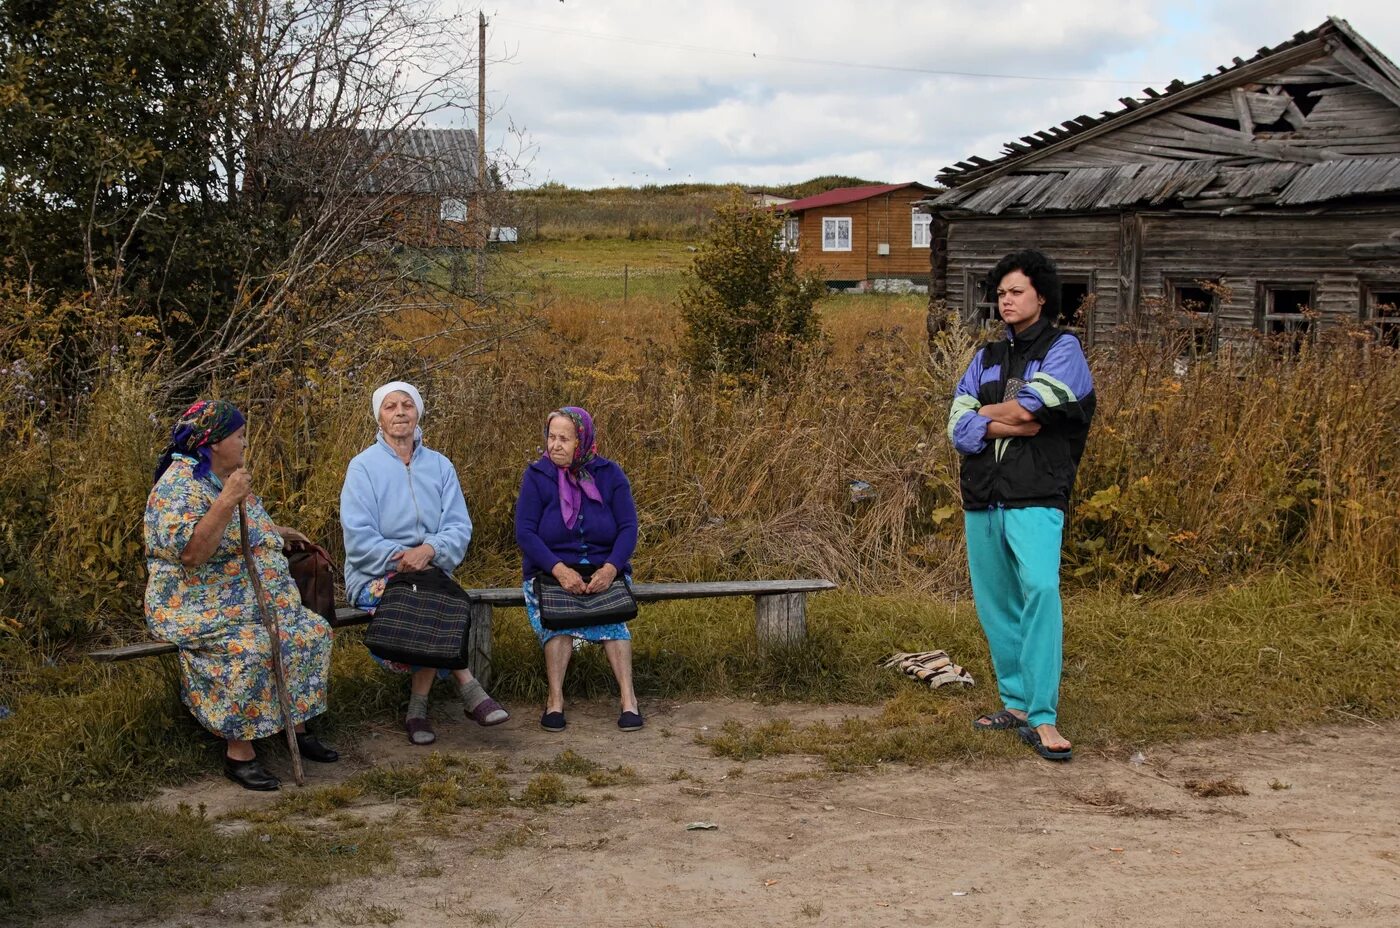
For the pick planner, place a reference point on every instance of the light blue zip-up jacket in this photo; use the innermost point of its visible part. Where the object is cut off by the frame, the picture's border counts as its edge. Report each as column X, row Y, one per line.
column 387, row 506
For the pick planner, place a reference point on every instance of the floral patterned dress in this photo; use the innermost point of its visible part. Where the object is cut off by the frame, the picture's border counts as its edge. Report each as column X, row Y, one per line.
column 210, row 612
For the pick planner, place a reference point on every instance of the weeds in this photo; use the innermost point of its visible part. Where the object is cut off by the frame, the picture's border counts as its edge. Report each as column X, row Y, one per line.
column 547, row 789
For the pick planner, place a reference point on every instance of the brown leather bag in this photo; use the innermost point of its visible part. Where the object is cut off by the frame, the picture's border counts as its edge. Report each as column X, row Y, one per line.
column 311, row 570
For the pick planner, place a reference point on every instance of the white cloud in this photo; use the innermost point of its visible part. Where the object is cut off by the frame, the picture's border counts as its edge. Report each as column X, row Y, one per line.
column 690, row 101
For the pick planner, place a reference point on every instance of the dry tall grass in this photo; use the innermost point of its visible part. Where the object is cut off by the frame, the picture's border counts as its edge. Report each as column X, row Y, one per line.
column 1190, row 478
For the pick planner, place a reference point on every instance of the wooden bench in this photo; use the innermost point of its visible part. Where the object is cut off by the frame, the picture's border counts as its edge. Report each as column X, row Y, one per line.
column 780, row 614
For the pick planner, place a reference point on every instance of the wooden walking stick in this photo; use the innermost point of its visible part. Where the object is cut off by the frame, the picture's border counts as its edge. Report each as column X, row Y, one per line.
column 269, row 620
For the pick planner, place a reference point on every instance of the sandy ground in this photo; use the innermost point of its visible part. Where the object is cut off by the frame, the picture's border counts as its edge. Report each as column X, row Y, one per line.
column 1100, row 841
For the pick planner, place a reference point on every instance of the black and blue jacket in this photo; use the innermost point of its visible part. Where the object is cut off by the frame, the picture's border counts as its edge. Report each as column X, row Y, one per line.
column 1050, row 377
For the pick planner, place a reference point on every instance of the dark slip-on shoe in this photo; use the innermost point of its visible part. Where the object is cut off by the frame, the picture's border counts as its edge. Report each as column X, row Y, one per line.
column 250, row 774
column 312, row 748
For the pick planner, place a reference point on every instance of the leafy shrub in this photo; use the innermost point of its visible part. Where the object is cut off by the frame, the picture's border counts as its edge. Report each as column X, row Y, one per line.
column 747, row 309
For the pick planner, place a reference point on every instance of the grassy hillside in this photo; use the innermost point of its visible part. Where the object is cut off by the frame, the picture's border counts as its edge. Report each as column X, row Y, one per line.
column 671, row 212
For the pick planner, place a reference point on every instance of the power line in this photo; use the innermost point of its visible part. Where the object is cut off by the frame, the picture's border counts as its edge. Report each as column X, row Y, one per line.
column 823, row 62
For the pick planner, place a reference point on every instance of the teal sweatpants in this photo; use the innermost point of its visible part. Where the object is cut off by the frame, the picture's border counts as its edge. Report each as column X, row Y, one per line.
column 1013, row 556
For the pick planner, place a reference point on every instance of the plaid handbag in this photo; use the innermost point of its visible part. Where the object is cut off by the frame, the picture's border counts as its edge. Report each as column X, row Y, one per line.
column 423, row 620
column 561, row 610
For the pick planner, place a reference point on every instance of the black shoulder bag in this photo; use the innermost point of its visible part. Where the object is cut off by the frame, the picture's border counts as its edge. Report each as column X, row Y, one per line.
column 422, row 619
column 561, row 610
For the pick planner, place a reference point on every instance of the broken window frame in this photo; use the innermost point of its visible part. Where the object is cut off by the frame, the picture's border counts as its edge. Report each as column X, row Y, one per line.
column 977, row 309
column 1084, row 327
column 1385, row 325
column 1300, row 325
column 835, row 224
column 1195, row 321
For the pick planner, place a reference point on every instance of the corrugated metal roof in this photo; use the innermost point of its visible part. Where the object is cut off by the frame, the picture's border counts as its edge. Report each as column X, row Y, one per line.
column 845, row 195
column 419, row 161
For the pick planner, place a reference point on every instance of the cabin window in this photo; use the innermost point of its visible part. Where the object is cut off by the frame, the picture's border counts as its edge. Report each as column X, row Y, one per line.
column 921, row 237
column 1382, row 311
column 453, row 209
column 1076, row 303
column 981, row 303
column 836, row 233
column 1286, row 313
column 1194, row 305
column 792, row 230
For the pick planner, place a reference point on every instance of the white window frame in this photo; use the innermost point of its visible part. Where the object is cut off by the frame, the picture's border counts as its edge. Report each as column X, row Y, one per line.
column 792, row 233
column 835, row 224
column 922, row 228
column 452, row 209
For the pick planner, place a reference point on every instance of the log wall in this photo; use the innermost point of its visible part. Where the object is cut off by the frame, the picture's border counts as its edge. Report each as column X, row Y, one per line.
column 1149, row 250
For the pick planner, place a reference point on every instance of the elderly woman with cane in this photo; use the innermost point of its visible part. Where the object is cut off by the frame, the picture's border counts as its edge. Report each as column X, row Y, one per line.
column 203, row 527
column 402, row 511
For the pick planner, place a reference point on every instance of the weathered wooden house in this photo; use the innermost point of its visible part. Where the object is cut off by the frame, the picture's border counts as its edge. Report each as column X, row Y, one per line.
column 865, row 237
column 424, row 182
column 416, row 187
column 1264, row 198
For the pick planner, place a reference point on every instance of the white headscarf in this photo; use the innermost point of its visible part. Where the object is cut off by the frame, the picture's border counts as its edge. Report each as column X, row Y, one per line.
column 390, row 387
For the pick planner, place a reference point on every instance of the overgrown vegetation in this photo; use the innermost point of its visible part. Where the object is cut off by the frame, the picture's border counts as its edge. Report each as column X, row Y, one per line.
column 748, row 311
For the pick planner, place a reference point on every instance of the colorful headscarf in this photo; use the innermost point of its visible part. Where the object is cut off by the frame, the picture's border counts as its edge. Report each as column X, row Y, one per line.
column 574, row 481
column 205, row 423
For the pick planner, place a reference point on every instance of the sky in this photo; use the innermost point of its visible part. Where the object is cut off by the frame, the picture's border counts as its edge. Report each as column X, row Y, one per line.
column 769, row 92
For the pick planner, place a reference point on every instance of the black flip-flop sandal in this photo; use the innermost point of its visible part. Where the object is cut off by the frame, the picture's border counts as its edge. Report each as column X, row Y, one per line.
column 1032, row 737
column 998, row 721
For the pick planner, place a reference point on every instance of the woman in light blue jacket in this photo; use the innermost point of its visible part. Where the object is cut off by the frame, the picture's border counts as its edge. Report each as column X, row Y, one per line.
column 402, row 510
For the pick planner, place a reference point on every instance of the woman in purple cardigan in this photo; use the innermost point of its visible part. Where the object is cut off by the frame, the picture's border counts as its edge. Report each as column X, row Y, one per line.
column 575, row 511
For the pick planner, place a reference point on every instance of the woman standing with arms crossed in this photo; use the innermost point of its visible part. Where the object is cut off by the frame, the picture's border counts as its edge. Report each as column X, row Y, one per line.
column 1019, row 418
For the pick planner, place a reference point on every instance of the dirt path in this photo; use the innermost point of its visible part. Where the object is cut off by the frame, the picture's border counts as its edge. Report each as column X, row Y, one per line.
column 1096, row 842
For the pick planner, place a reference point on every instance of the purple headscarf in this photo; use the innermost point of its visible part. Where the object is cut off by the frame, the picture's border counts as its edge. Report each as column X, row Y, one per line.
column 574, row 481
column 206, row 423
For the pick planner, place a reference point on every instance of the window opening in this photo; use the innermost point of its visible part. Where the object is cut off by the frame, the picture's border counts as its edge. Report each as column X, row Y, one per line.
column 792, row 230
column 453, row 209
column 1194, row 306
column 922, row 235
column 1385, row 317
column 1288, row 315
column 836, row 234
column 1074, row 304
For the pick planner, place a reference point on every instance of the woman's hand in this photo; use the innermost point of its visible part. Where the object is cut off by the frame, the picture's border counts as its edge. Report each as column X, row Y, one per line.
column 237, row 488
column 569, row 579
column 602, row 579
column 414, row 559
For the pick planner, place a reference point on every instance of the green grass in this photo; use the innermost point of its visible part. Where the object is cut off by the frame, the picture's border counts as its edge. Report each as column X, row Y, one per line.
column 1275, row 652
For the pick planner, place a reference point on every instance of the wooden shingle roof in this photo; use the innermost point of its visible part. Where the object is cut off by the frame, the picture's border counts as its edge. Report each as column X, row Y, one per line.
column 1312, row 119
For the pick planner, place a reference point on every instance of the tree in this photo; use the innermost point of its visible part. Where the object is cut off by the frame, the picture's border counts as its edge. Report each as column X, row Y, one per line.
column 746, row 307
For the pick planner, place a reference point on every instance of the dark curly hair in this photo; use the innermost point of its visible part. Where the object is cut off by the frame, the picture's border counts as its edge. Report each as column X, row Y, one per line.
column 1036, row 265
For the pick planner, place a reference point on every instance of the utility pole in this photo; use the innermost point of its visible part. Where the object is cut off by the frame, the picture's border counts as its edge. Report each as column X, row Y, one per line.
column 483, row 224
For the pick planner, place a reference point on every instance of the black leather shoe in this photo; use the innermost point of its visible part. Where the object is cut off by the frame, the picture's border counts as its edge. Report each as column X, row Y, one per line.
column 312, row 749
column 250, row 774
